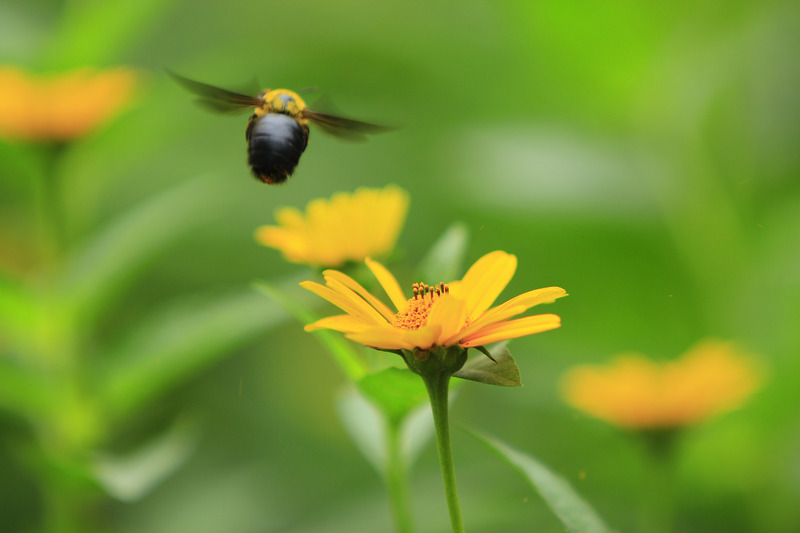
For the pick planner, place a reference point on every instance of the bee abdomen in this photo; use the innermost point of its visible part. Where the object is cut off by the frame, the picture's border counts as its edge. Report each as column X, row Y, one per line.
column 276, row 142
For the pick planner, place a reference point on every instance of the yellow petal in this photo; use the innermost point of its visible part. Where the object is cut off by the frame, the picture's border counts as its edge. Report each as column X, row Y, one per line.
column 485, row 280
column 389, row 338
column 515, row 306
column 343, row 323
column 449, row 314
column 353, row 285
column 628, row 392
column 353, row 306
column 512, row 329
column 385, row 338
column 389, row 284
column 425, row 337
column 291, row 218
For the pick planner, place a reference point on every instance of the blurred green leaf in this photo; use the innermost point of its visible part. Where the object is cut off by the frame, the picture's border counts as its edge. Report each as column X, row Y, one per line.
column 112, row 258
column 20, row 391
column 94, row 32
column 294, row 301
column 365, row 424
column 503, row 371
column 369, row 428
column 178, row 341
column 132, row 476
column 18, row 313
column 395, row 391
column 576, row 515
column 444, row 261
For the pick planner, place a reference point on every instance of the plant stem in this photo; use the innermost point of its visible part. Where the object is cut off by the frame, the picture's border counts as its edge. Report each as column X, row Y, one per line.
column 437, row 385
column 657, row 498
column 396, row 480
column 50, row 205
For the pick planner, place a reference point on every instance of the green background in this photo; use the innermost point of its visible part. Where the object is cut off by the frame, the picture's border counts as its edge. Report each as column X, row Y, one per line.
column 644, row 156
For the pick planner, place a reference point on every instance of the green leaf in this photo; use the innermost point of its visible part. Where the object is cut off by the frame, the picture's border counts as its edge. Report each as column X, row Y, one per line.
column 132, row 476
column 366, row 425
column 297, row 302
column 18, row 312
column 395, row 391
column 369, row 428
column 112, row 259
column 503, row 371
column 576, row 515
column 180, row 340
column 444, row 261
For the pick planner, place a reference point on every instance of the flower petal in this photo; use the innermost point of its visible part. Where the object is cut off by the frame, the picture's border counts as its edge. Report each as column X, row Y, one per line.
column 449, row 314
column 384, row 338
column 485, row 280
column 390, row 338
column 343, row 323
column 354, row 286
column 352, row 305
column 513, row 307
column 512, row 329
column 389, row 284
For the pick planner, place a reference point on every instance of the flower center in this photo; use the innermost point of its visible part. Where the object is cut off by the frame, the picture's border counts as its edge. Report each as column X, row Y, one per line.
column 418, row 307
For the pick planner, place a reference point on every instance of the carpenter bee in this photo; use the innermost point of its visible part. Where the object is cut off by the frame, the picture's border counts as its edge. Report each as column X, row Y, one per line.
column 277, row 132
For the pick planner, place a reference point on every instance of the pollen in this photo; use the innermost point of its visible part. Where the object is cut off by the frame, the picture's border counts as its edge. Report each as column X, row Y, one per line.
column 419, row 306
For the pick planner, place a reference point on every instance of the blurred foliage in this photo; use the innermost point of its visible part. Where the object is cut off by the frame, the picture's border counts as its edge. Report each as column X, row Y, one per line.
column 643, row 156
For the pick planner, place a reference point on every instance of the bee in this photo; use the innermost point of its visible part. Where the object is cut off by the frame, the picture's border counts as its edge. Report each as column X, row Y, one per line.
column 277, row 132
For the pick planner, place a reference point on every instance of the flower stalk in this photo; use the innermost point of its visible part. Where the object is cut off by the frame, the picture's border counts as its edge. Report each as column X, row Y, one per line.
column 437, row 385
column 658, row 497
column 436, row 367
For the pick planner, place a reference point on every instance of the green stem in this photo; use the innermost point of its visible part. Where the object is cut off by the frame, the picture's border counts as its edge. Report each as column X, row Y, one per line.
column 437, row 384
column 657, row 497
column 396, row 480
column 50, row 205
column 64, row 510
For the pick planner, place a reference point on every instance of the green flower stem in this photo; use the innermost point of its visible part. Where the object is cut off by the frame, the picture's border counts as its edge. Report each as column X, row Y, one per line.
column 657, row 498
column 437, row 385
column 396, row 480
column 50, row 203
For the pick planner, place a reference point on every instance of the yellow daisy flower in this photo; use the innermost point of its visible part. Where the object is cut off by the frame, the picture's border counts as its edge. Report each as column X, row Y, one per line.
column 635, row 392
column 348, row 227
column 60, row 107
column 440, row 316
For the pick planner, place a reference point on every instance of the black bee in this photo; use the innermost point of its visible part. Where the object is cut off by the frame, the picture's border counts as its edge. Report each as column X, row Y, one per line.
column 277, row 132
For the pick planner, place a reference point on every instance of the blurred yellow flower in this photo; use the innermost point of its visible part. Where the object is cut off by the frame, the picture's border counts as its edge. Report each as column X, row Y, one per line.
column 437, row 316
column 60, row 107
column 637, row 393
column 348, row 227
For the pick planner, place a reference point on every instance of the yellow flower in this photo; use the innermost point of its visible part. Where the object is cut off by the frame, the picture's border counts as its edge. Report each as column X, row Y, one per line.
column 60, row 107
column 439, row 316
column 635, row 392
column 348, row 227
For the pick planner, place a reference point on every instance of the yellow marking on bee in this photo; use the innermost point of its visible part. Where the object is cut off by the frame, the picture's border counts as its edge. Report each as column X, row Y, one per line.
column 283, row 101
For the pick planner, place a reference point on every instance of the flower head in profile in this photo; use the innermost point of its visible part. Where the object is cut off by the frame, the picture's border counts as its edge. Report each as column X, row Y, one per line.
column 439, row 316
column 347, row 227
column 637, row 393
column 60, row 107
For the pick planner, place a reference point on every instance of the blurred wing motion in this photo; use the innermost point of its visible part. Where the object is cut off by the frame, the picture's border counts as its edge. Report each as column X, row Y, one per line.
column 345, row 128
column 216, row 99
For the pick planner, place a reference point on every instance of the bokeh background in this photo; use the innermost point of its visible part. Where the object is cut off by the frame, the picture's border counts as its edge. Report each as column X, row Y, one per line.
column 642, row 155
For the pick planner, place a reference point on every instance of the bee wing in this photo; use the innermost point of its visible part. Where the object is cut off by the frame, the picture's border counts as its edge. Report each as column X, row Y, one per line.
column 343, row 127
column 215, row 98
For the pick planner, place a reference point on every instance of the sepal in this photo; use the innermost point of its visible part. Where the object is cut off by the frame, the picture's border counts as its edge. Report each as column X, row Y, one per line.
column 500, row 369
